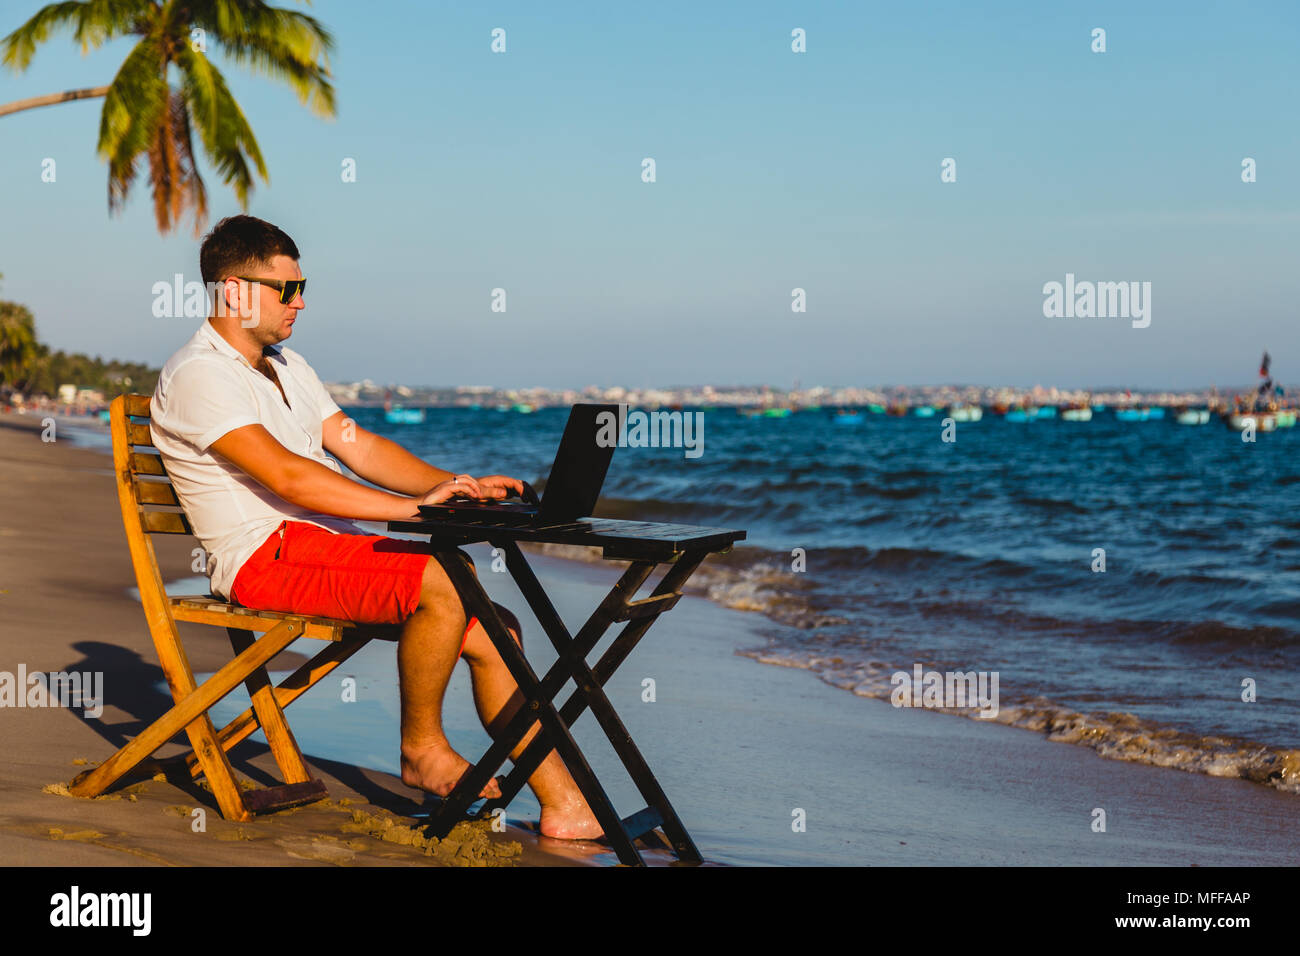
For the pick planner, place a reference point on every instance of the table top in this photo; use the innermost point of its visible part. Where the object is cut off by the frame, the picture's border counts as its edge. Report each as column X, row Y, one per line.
column 631, row 540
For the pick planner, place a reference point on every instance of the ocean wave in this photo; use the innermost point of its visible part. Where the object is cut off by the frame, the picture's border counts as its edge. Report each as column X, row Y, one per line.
column 830, row 591
column 1055, row 505
column 759, row 580
column 1115, row 736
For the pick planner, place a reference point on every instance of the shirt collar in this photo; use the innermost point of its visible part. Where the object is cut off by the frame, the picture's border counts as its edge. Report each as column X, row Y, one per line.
column 210, row 335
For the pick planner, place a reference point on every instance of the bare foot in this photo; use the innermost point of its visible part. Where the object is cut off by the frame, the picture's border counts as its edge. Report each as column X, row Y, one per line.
column 437, row 769
column 572, row 821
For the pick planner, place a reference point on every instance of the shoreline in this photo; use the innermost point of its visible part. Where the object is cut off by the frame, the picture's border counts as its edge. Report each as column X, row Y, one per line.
column 738, row 746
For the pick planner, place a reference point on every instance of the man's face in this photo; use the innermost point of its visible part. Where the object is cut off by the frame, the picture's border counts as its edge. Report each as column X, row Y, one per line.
column 275, row 318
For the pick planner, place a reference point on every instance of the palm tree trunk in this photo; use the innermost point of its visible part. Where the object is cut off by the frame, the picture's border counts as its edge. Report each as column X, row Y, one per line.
column 35, row 101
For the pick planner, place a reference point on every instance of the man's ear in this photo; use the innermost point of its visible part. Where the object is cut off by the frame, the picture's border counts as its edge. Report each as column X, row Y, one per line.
column 239, row 300
column 230, row 294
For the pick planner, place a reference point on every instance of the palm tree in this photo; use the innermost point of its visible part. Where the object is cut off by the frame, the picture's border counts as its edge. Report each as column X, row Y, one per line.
column 144, row 116
column 19, row 349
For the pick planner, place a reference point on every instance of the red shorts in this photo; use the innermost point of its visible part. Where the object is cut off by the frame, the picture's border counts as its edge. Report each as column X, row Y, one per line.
column 368, row 579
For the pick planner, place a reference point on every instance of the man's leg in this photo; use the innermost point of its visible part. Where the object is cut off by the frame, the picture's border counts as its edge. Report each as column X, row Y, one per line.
column 426, row 656
column 565, row 814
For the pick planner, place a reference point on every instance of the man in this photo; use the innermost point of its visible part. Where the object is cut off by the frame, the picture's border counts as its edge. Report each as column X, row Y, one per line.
column 244, row 426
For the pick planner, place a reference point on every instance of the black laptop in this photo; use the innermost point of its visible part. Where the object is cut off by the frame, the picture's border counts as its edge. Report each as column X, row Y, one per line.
column 571, row 490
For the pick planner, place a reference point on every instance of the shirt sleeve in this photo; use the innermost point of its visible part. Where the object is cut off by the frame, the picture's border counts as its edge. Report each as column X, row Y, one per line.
column 204, row 400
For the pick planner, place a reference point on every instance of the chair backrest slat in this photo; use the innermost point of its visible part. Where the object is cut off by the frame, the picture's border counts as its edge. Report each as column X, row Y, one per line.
column 165, row 522
column 157, row 508
column 138, row 520
column 143, row 464
column 137, row 405
column 155, row 493
column 138, row 434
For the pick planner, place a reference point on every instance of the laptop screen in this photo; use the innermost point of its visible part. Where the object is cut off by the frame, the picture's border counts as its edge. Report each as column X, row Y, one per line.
column 580, row 465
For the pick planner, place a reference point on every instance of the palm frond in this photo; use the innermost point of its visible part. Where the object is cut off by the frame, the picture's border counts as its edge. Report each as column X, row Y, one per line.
column 192, row 182
column 93, row 23
column 223, row 129
column 282, row 44
column 136, row 101
column 164, row 174
column 175, row 180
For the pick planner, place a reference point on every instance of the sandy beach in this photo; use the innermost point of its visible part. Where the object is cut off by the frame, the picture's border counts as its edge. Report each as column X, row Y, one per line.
column 740, row 747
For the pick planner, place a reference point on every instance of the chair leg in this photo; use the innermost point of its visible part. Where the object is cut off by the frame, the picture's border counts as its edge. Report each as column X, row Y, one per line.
column 191, row 714
column 284, row 748
column 217, row 770
column 290, row 689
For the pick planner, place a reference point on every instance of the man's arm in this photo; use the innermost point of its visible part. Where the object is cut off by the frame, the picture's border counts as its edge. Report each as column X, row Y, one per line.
column 389, row 465
column 309, row 484
column 378, row 459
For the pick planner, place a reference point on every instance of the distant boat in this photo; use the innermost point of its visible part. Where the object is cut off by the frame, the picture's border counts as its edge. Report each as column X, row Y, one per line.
column 765, row 412
column 897, row 409
column 1021, row 414
column 1156, row 412
column 1192, row 416
column 1263, row 421
column 965, row 413
column 1099, row 407
column 1132, row 414
column 847, row 416
column 924, row 411
column 1046, row 411
column 397, row 415
column 1262, row 411
column 400, row 415
column 876, row 409
column 522, row 408
column 1076, row 413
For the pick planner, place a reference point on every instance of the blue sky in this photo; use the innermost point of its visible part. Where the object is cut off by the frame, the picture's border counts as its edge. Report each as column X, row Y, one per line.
column 775, row 170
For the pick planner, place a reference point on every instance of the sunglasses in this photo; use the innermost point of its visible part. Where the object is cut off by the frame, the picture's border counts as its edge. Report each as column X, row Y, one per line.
column 289, row 290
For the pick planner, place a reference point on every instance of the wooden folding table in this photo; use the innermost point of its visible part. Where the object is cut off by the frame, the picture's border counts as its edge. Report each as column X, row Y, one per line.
column 646, row 545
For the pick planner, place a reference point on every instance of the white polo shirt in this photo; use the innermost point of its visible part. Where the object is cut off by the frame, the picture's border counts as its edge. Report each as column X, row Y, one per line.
column 208, row 389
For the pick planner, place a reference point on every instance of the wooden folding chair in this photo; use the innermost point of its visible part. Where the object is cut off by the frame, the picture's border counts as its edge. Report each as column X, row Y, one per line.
column 150, row 506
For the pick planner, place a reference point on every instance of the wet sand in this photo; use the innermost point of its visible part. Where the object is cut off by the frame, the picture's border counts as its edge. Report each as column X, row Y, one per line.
column 740, row 747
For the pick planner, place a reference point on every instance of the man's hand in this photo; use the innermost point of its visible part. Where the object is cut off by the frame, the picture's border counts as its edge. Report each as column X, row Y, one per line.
column 491, row 488
column 499, row 486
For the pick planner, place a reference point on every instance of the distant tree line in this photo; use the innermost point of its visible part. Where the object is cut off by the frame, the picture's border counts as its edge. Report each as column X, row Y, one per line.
column 30, row 367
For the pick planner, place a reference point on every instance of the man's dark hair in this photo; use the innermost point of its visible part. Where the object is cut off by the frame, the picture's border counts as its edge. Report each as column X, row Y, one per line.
column 239, row 245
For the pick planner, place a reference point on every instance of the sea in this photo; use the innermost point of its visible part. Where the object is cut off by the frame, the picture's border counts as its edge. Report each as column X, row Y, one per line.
column 1135, row 587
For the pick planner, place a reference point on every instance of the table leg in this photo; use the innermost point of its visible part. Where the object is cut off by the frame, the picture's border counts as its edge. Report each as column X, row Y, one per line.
column 573, row 655
column 539, row 707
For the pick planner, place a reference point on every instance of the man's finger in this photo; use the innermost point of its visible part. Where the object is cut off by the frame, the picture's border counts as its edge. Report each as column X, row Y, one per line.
column 503, row 484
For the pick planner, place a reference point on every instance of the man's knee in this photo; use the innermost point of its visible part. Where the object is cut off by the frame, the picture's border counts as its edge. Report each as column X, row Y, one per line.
column 511, row 622
column 436, row 589
column 478, row 646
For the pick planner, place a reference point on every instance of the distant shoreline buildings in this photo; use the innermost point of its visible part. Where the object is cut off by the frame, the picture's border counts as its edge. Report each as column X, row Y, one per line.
column 367, row 393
